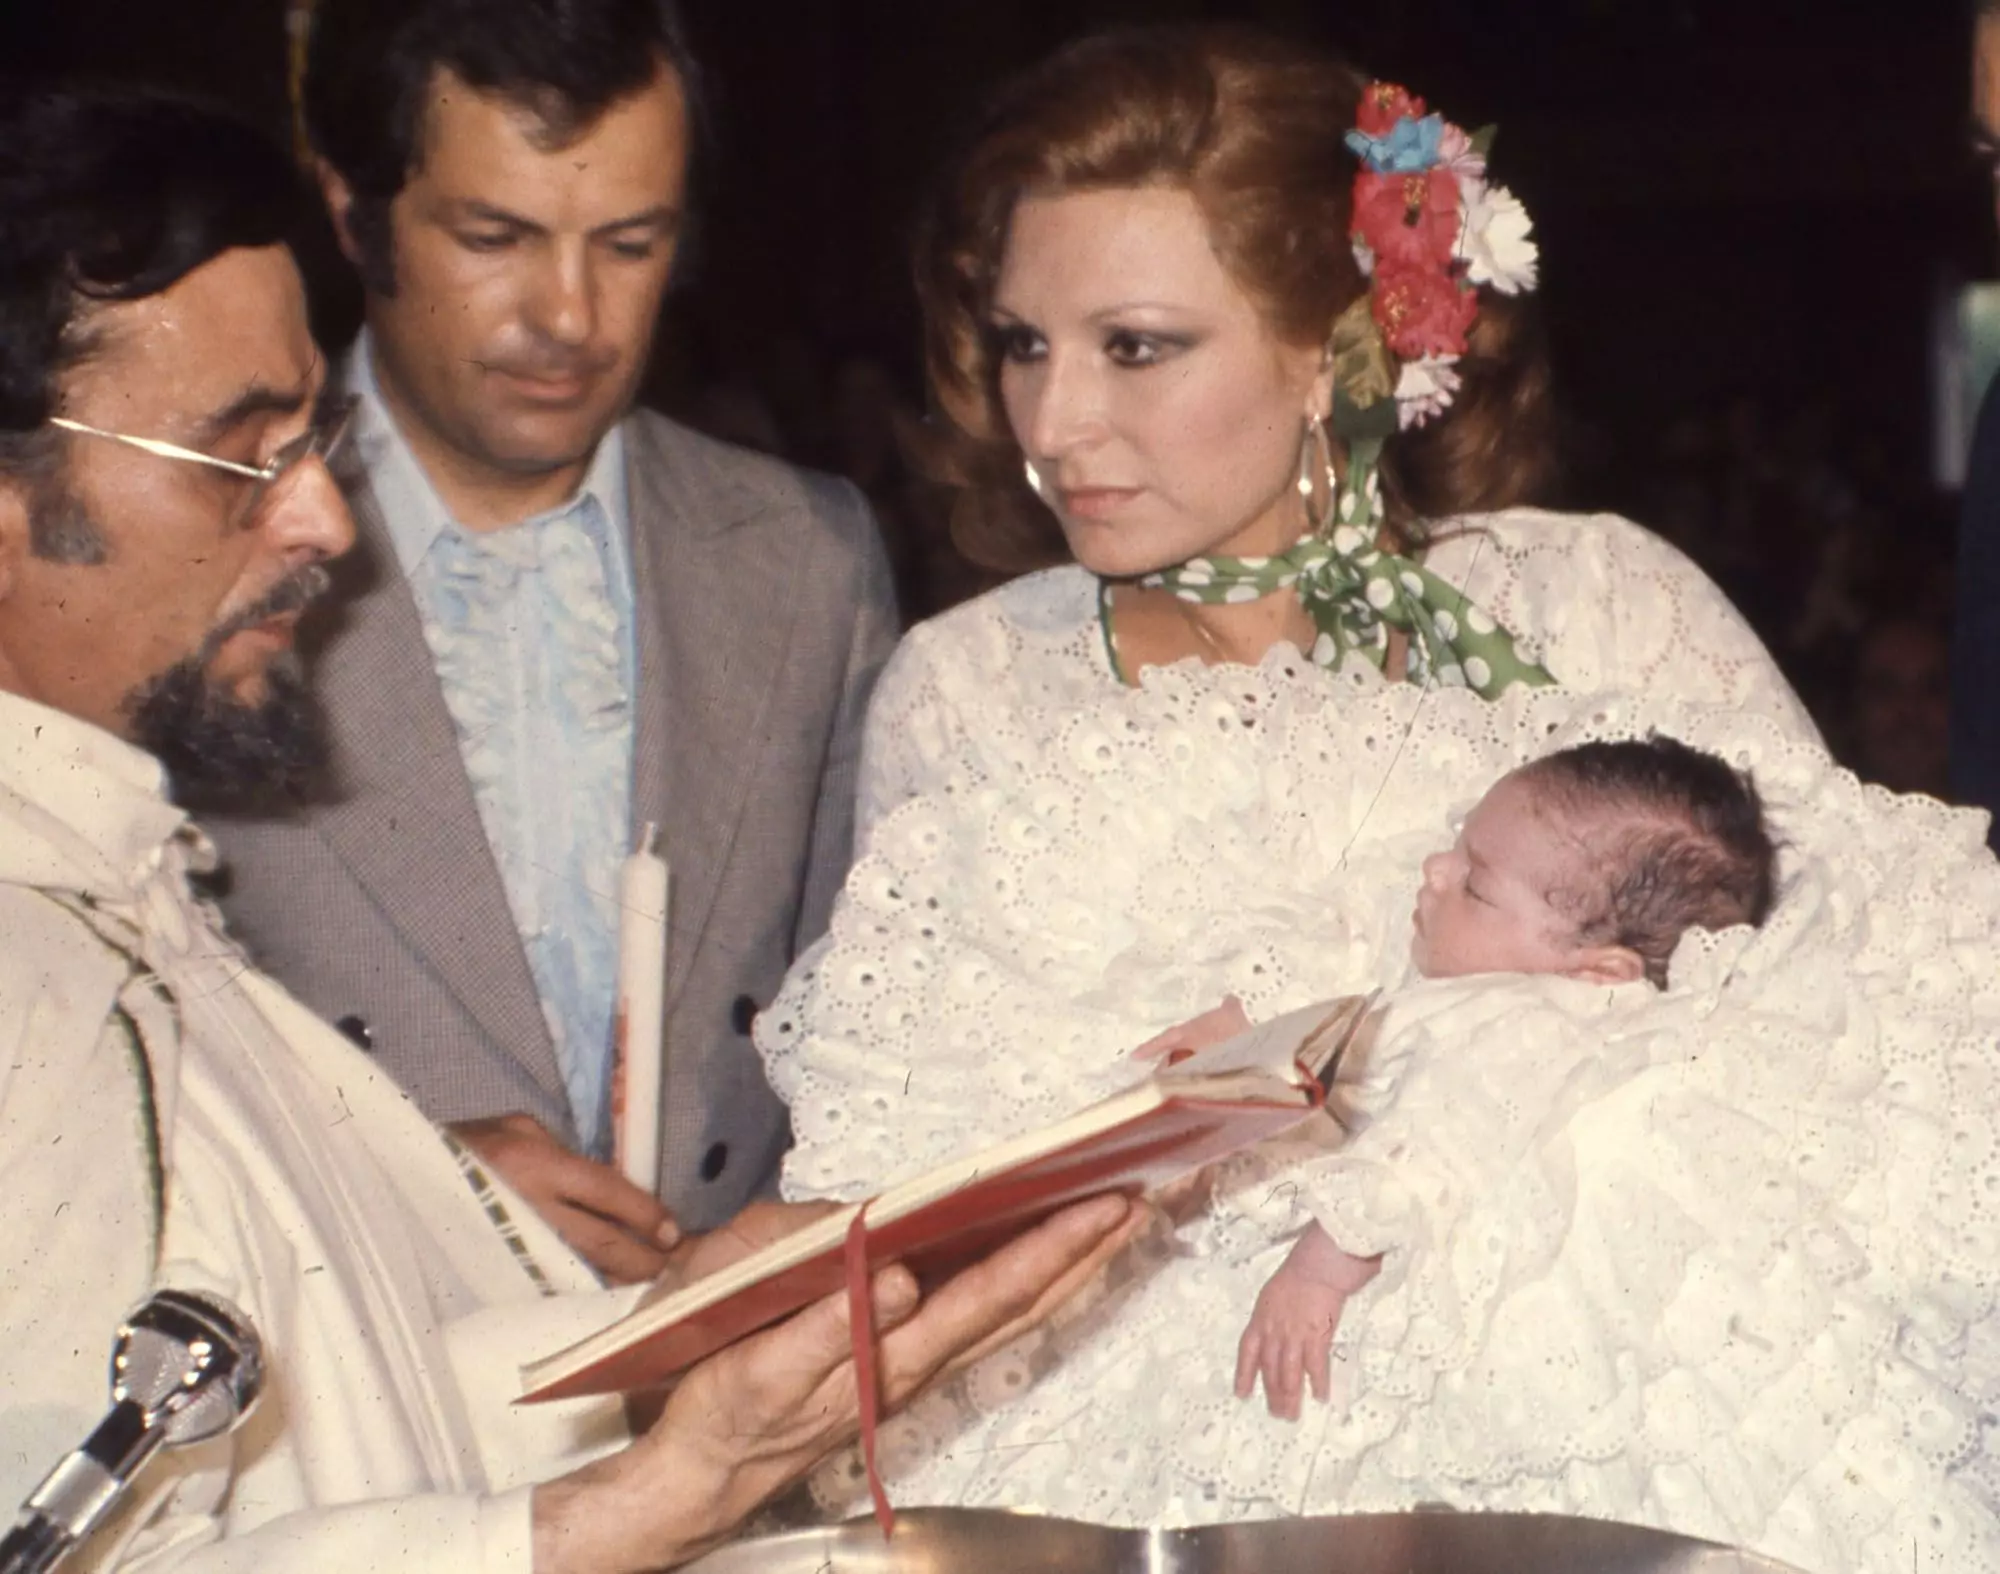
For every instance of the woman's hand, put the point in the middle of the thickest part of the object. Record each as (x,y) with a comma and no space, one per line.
(1181,1199)
(1213,1026)
(1289,1340)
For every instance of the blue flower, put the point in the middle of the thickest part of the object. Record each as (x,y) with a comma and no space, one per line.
(1410,148)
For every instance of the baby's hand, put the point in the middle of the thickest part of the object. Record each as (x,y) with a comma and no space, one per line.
(1211,1027)
(1289,1339)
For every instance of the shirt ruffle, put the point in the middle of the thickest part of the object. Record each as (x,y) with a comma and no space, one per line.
(531,656)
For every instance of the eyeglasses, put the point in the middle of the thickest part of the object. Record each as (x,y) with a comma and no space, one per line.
(321,440)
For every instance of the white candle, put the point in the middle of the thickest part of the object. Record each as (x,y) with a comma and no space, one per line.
(642,991)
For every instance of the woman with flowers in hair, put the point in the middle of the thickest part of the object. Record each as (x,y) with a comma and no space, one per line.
(1240,336)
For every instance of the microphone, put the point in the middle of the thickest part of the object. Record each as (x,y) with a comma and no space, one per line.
(185,1368)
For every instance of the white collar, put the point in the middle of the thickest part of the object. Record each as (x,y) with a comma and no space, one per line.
(88,811)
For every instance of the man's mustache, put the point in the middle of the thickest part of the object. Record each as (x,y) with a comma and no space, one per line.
(294,593)
(552,367)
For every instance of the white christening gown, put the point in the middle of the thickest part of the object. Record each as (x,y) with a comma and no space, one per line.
(1721,1260)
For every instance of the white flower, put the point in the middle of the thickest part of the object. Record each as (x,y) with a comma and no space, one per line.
(1494,238)
(1425,388)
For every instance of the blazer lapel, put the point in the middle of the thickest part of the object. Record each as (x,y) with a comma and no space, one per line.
(714,614)
(406,823)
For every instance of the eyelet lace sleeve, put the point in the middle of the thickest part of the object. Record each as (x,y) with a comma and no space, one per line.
(1607,605)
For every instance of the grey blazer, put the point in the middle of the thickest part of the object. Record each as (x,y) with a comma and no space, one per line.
(764,612)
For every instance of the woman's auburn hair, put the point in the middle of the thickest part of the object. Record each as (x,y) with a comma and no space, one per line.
(1254,130)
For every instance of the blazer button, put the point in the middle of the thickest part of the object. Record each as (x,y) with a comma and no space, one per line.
(742,1012)
(356,1032)
(713,1161)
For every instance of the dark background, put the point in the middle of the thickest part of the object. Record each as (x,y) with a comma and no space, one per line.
(1751,212)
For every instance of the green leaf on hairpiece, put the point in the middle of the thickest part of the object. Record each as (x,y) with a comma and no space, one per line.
(1482,140)
(1364,374)
(1354,422)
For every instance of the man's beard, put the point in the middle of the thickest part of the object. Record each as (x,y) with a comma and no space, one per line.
(220,751)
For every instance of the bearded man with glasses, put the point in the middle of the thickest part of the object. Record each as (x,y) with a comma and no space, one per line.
(214,476)
(212,740)
(169,1116)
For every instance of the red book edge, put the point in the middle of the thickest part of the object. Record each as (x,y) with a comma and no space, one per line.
(977,1217)
(938,1237)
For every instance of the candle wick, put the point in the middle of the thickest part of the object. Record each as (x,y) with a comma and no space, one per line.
(649,838)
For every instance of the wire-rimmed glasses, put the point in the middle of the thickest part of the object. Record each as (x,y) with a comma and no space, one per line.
(321,440)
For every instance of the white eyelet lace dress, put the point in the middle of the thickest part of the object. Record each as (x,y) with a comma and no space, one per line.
(1721,1259)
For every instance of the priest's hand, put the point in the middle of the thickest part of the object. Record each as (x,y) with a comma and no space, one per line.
(757,1226)
(619,1229)
(753,1418)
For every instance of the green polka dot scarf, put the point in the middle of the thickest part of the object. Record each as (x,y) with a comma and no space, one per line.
(1356,593)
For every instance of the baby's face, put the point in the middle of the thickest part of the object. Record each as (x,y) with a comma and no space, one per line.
(1484,906)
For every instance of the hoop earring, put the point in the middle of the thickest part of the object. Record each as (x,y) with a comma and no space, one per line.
(1317,474)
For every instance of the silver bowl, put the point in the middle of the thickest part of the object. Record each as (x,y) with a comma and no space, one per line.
(959,1541)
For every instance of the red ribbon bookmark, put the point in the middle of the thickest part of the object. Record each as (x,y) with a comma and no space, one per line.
(867,1381)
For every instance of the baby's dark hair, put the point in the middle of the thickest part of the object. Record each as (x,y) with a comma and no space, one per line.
(1676,835)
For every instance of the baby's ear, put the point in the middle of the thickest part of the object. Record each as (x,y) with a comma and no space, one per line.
(1606,964)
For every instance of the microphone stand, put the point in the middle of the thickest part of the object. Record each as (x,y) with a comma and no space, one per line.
(184,1368)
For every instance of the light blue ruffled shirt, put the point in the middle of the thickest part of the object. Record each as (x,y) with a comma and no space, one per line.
(531,630)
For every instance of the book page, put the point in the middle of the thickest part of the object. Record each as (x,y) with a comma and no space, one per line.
(1312,1034)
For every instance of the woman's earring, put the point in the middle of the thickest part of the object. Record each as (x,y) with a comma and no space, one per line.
(1317,475)
(1035,481)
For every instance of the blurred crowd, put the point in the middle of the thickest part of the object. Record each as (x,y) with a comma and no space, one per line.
(1840,563)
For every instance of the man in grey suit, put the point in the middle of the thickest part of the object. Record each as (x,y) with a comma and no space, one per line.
(572,619)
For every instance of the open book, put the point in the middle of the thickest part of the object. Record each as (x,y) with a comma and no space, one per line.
(1191,1113)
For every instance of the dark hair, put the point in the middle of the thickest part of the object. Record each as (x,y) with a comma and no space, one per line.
(109,196)
(1254,129)
(1676,836)
(369,65)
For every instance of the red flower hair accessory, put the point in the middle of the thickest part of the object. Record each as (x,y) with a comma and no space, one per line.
(1385,103)
(1428,229)
(1422,311)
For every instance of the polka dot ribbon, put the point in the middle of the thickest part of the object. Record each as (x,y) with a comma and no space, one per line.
(1356,593)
